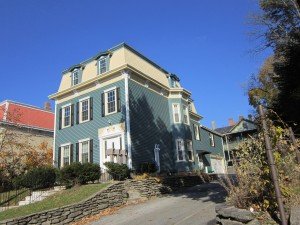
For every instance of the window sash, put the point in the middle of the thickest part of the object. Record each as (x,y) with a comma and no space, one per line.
(211,139)
(185,115)
(67,116)
(102,65)
(111,102)
(84,151)
(75,77)
(85,106)
(180,150)
(176,113)
(66,155)
(197,134)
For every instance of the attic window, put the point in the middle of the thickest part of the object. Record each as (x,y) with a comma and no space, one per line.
(174,83)
(75,77)
(103,64)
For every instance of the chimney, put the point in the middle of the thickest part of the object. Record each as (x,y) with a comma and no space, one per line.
(213,125)
(231,122)
(47,106)
(241,117)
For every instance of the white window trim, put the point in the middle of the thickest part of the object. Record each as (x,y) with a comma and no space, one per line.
(80,110)
(62,153)
(99,64)
(212,139)
(72,76)
(85,98)
(105,101)
(179,114)
(63,115)
(196,127)
(192,150)
(187,115)
(183,154)
(80,149)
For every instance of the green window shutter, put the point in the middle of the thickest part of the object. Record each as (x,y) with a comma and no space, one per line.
(199,128)
(91,108)
(77,152)
(60,119)
(107,62)
(103,104)
(72,84)
(72,114)
(91,151)
(118,100)
(77,112)
(71,153)
(79,75)
(58,157)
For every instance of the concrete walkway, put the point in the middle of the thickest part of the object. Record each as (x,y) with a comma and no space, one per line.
(195,205)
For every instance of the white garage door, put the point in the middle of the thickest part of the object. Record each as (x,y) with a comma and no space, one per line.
(217,165)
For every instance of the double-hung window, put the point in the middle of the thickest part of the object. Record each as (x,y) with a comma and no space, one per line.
(185,115)
(211,139)
(84,151)
(103,64)
(66,112)
(84,110)
(176,113)
(75,77)
(190,154)
(180,150)
(66,155)
(110,102)
(197,132)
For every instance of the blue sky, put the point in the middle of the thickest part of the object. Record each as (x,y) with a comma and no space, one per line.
(205,43)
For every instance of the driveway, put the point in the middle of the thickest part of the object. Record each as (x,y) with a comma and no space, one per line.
(195,205)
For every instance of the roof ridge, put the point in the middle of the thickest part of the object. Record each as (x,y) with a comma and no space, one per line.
(26,105)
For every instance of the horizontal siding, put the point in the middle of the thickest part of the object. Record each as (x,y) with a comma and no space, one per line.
(90,129)
(150,125)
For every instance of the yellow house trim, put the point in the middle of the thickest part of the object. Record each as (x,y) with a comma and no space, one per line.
(195,115)
(112,72)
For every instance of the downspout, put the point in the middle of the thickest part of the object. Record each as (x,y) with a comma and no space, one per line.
(126,75)
(224,155)
(54,135)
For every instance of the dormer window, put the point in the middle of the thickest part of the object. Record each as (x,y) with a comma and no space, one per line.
(103,64)
(75,77)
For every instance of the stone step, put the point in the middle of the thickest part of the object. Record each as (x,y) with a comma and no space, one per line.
(40,195)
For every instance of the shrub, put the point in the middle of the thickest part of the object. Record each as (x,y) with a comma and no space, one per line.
(77,173)
(70,174)
(117,171)
(148,167)
(89,173)
(253,172)
(41,177)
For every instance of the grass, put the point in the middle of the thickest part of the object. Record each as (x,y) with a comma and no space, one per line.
(63,198)
(11,198)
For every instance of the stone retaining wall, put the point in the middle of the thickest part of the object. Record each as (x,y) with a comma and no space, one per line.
(112,196)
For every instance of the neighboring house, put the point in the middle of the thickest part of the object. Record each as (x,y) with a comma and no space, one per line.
(119,106)
(234,134)
(28,124)
(211,156)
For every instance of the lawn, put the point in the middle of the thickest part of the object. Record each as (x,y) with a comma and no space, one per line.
(63,198)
